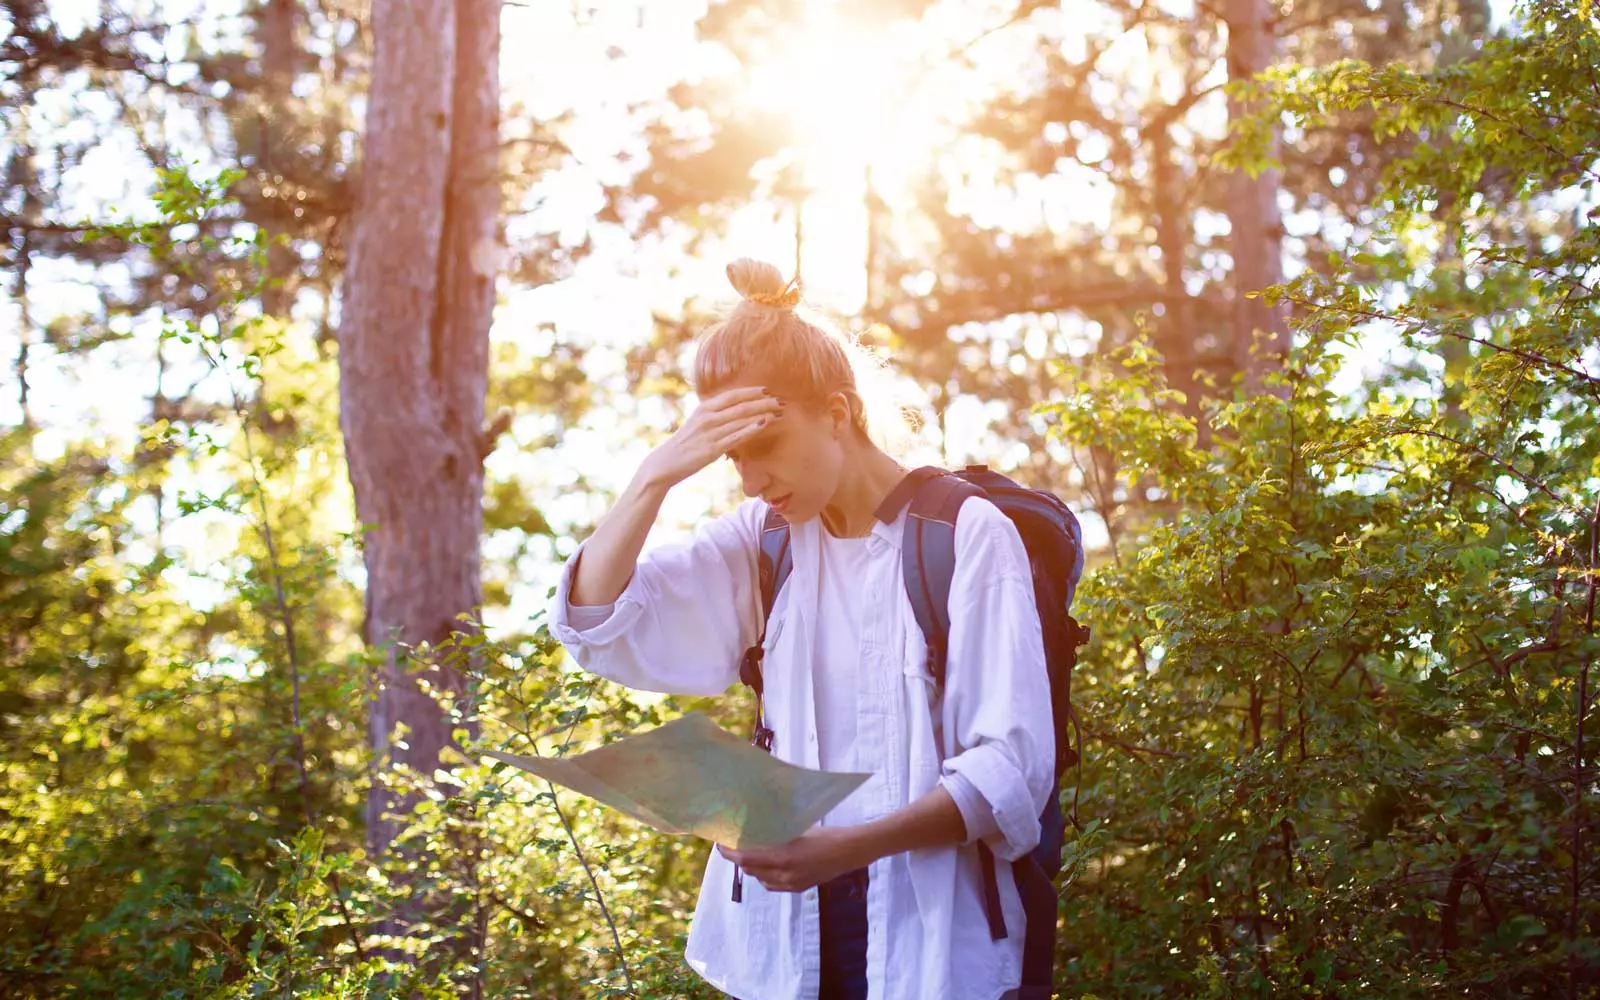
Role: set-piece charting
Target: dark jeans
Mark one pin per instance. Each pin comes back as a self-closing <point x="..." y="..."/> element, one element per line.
<point x="843" y="902"/>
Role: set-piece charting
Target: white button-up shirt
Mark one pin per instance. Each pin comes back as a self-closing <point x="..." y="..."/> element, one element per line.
<point x="688" y="614"/>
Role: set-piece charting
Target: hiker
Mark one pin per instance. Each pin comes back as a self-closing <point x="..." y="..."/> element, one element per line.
<point x="904" y="890"/>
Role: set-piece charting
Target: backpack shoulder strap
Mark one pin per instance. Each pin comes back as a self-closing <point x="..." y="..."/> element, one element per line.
<point x="928" y="551"/>
<point x="774" y="562"/>
<point x="928" y="561"/>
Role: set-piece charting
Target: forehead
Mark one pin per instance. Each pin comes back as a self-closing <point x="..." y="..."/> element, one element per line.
<point x="790" y="438"/>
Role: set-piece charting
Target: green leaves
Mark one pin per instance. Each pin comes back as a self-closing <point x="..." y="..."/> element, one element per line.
<point x="1359" y="616"/>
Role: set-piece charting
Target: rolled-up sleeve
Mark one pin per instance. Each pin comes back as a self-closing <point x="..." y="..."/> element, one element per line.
<point x="583" y="617"/>
<point x="976" y="814"/>
<point x="996" y="712"/>
<point x="684" y="619"/>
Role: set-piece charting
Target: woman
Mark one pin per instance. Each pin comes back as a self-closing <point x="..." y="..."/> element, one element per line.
<point x="883" y="898"/>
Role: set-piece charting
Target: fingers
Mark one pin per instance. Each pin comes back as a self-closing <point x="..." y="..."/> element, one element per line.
<point x="779" y="880"/>
<point x="744" y="859"/>
<point x="766" y="867"/>
<point x="761" y="406"/>
<point x="733" y="397"/>
<point x="775" y="879"/>
<point x="732" y="438"/>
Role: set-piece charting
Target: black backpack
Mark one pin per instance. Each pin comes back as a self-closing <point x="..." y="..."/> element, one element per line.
<point x="1054" y="541"/>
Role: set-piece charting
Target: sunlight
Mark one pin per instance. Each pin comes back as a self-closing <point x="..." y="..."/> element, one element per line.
<point x="837" y="88"/>
<point x="875" y="108"/>
<point x="857" y="102"/>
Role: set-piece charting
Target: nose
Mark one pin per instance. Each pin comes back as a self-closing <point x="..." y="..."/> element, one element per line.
<point x="752" y="479"/>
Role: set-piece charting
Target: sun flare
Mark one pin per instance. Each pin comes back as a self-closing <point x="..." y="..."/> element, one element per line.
<point x="872" y="109"/>
<point x="838" y="91"/>
<point x="856" y="101"/>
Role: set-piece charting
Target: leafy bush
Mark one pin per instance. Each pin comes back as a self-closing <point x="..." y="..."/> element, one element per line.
<point x="1344" y="691"/>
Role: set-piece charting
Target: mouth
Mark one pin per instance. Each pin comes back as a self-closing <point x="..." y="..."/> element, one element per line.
<point x="780" y="504"/>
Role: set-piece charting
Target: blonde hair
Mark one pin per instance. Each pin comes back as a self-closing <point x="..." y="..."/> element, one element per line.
<point x="764" y="340"/>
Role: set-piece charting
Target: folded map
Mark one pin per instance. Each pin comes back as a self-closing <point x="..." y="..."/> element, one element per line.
<point x="691" y="776"/>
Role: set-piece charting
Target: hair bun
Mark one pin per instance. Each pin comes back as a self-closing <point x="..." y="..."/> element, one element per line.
<point x="762" y="283"/>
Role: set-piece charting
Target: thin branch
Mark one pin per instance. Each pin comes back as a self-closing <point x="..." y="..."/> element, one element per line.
<point x="1532" y="484"/>
<point x="540" y="143"/>
<point x="1024" y="11"/>
<point x="583" y="860"/>
<point x="1513" y="126"/>
<point x="1578" y="780"/>
<point x="1177" y="109"/>
<point x="526" y="916"/>
<point x="291" y="648"/>
<point x="1134" y="748"/>
<point x="1348" y="663"/>
<point x="286" y="617"/>
<point x="1420" y="326"/>
<point x="599" y="897"/>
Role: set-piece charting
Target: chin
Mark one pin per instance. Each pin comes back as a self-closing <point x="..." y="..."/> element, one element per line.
<point x="799" y="513"/>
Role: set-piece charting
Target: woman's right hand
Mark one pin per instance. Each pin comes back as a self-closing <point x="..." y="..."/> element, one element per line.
<point x="715" y="427"/>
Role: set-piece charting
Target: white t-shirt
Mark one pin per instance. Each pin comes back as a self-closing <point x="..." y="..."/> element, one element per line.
<point x="836" y="670"/>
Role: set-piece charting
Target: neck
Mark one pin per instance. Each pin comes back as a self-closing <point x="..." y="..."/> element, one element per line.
<point x="869" y="476"/>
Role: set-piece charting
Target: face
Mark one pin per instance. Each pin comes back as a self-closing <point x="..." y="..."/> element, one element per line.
<point x="795" y="463"/>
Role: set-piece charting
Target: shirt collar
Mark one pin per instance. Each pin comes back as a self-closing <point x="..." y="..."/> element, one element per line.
<point x="887" y="533"/>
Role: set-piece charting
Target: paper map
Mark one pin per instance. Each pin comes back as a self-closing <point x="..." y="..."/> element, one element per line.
<point x="691" y="776"/>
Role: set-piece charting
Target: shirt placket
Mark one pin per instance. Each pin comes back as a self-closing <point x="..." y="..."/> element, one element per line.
<point x="879" y="720"/>
<point x="798" y="690"/>
<point x="873" y="707"/>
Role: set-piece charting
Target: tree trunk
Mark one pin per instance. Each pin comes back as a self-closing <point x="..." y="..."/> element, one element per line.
<point x="1176" y="331"/>
<point x="413" y="359"/>
<point x="274" y="137"/>
<point x="22" y="175"/>
<point x="1261" y="331"/>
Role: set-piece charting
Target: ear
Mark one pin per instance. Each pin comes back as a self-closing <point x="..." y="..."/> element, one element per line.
<point x="837" y="409"/>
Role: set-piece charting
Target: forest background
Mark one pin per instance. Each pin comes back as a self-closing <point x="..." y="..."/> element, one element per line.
<point x="330" y="326"/>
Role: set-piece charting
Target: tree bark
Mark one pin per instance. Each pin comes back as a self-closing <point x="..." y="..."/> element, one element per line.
<point x="279" y="52"/>
<point x="1261" y="331"/>
<point x="1177" y="330"/>
<point x="22" y="175"/>
<point x="413" y="360"/>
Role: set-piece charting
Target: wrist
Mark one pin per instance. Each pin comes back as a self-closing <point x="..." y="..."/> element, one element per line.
<point x="651" y="480"/>
<point x="861" y="845"/>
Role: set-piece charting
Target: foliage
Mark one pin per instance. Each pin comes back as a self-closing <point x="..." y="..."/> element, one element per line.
<point x="1339" y="699"/>
<point x="182" y="753"/>
<point x="1345" y="693"/>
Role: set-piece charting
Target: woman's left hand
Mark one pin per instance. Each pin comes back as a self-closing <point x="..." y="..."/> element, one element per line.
<point x="814" y="857"/>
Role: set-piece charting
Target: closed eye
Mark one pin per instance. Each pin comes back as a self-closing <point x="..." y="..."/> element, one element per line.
<point x="756" y="447"/>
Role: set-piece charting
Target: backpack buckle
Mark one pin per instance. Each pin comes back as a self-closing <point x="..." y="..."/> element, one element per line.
<point x="750" y="668"/>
